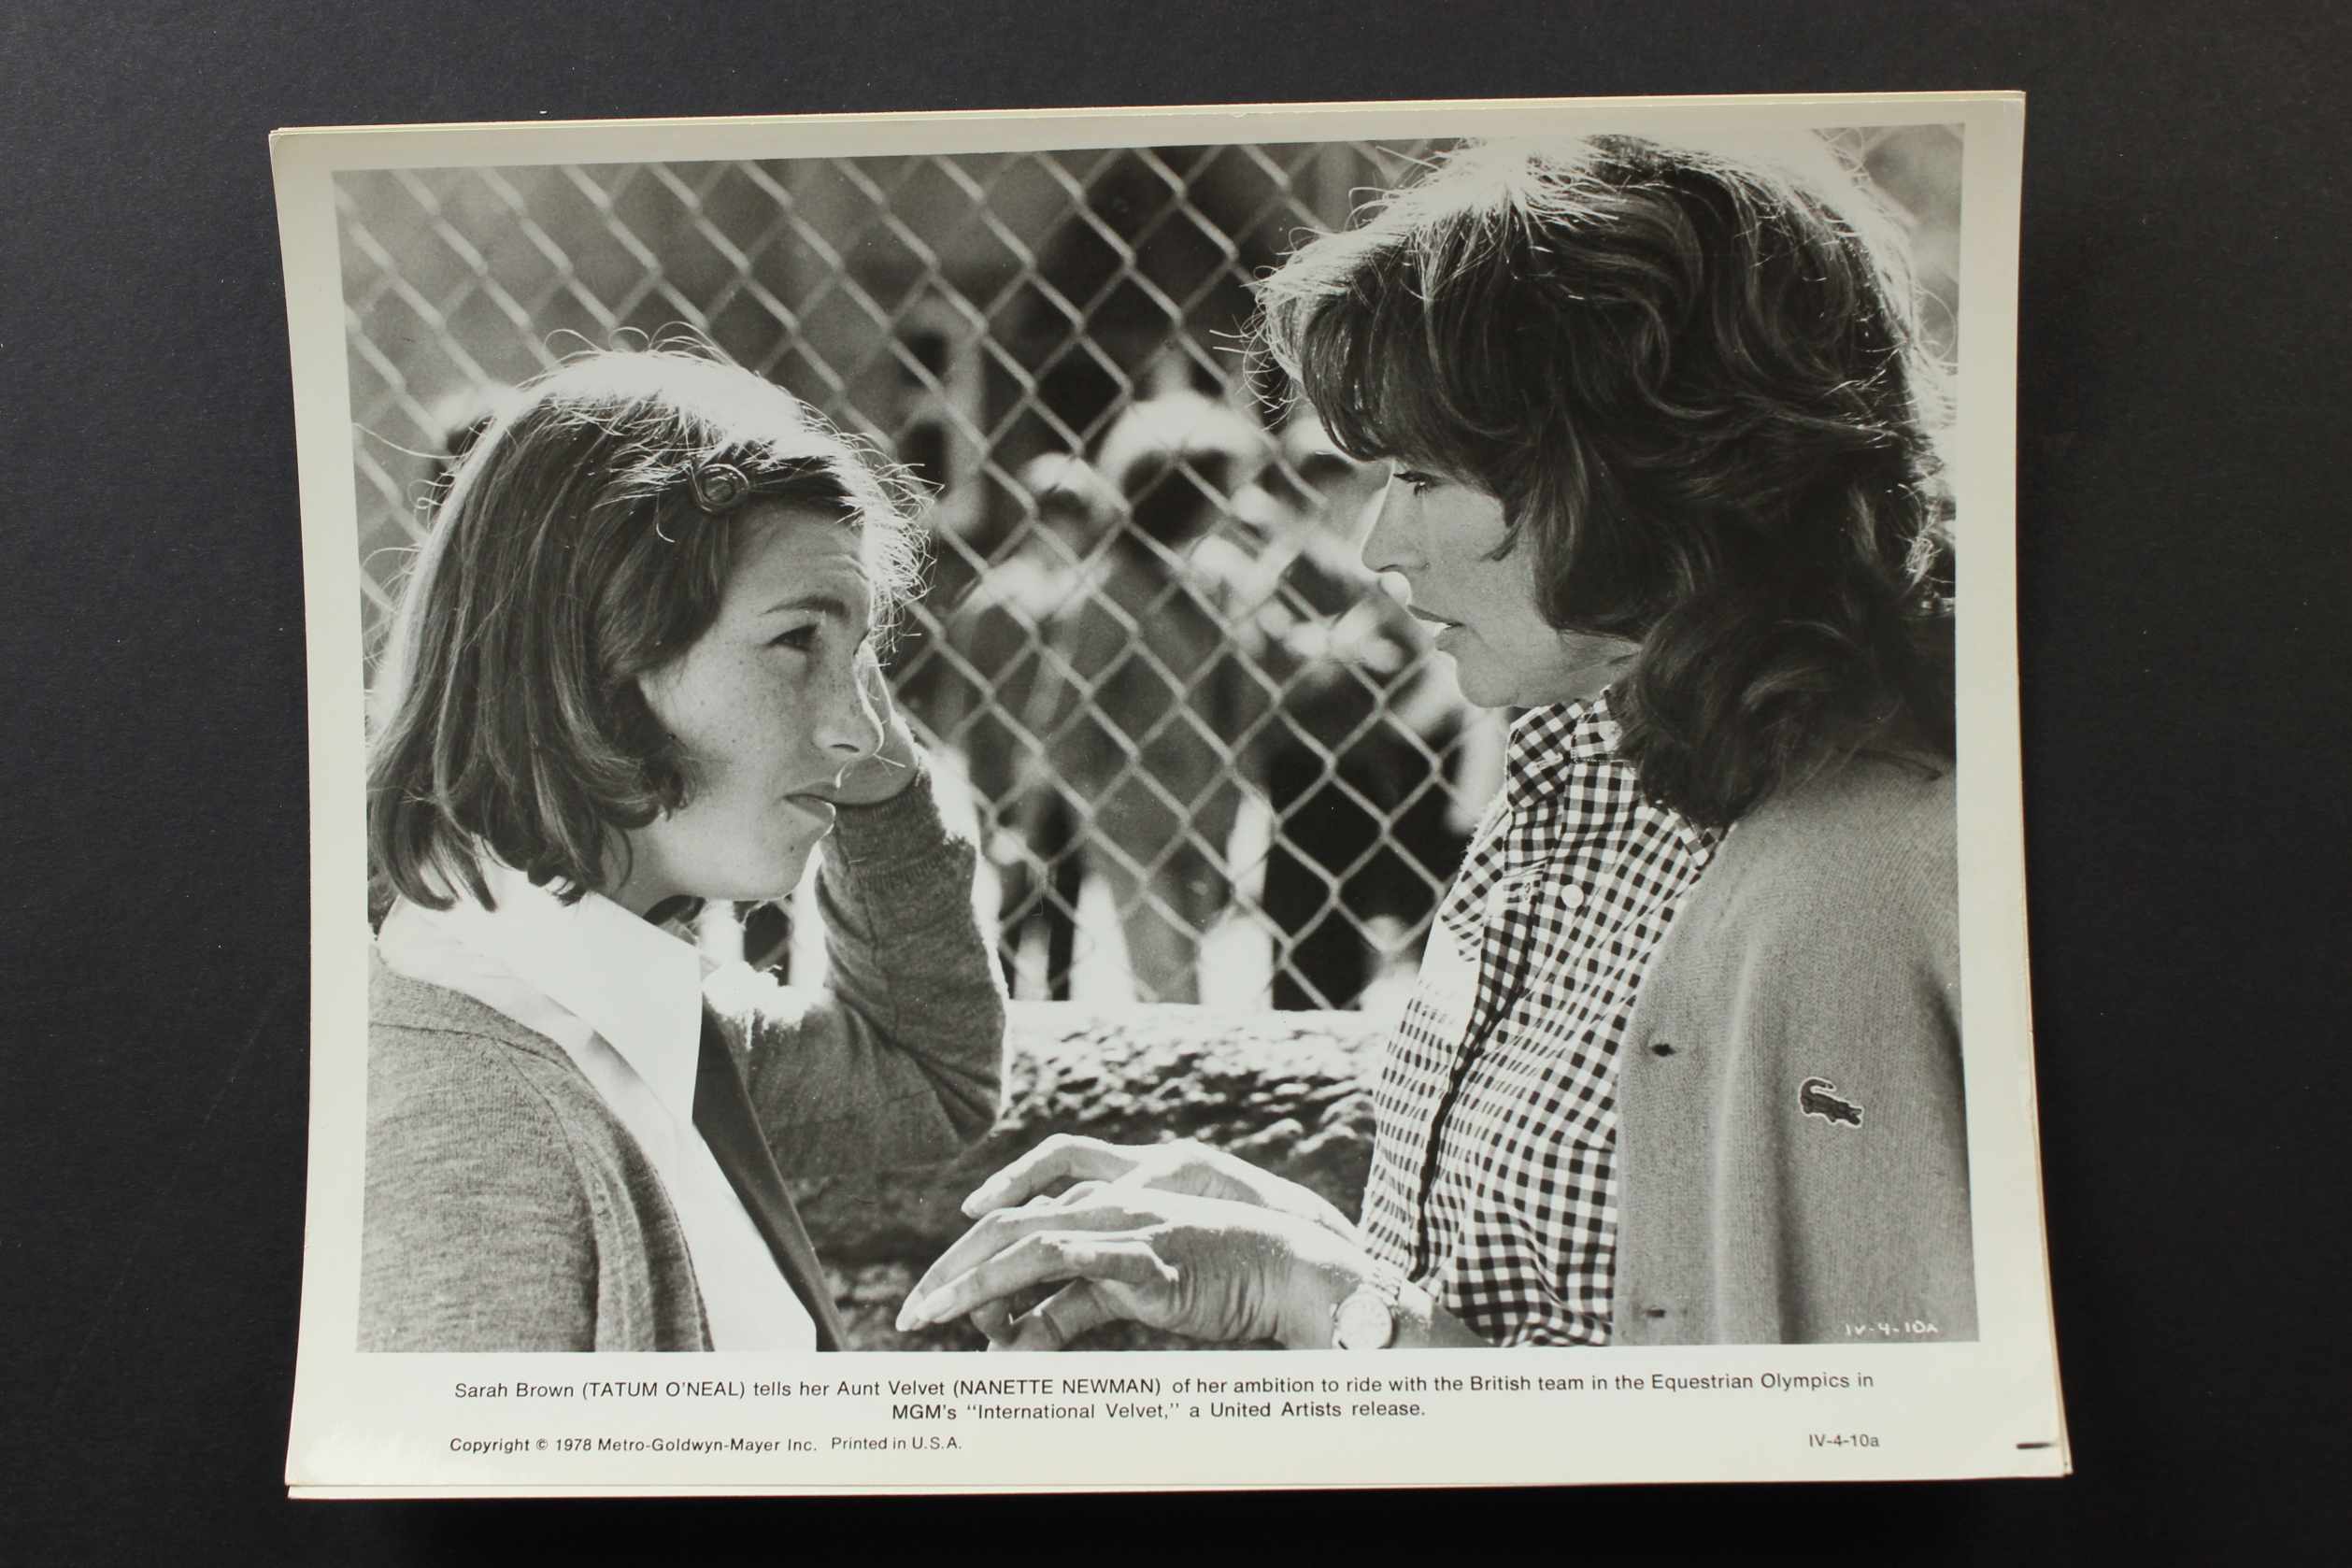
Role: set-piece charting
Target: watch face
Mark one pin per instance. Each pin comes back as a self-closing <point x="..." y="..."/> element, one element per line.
<point x="1363" y="1321"/>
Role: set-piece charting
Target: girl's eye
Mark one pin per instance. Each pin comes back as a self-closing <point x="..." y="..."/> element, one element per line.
<point x="1413" y="480"/>
<point x="800" y="639"/>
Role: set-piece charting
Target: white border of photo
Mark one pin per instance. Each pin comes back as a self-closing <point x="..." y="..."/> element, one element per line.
<point x="369" y="1425"/>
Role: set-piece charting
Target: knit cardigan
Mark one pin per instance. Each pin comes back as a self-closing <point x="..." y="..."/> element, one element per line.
<point x="508" y="1209"/>
<point x="1792" y="1148"/>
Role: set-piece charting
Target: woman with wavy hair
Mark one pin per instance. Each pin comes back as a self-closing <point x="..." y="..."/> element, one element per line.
<point x="1683" y="1061"/>
<point x="635" y="671"/>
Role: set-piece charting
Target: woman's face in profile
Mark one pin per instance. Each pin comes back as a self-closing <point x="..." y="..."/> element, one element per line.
<point x="1440" y="534"/>
<point x="769" y="707"/>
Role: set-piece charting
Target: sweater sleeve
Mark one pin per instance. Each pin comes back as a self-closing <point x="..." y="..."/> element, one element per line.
<point x="477" y="1234"/>
<point x="901" y="1060"/>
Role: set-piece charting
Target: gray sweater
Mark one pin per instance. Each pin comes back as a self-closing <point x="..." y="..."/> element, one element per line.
<point x="507" y="1208"/>
<point x="1793" y="1145"/>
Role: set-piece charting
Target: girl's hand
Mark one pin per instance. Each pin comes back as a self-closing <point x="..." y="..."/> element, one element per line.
<point x="1183" y="1167"/>
<point x="1206" y="1267"/>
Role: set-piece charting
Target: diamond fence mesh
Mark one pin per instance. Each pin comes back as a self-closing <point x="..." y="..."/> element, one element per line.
<point x="1211" y="756"/>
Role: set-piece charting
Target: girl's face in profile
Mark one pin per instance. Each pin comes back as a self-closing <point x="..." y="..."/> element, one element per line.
<point x="1440" y="534"/>
<point x="769" y="707"/>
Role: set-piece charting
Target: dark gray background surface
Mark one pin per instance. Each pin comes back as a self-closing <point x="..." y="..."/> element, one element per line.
<point x="2184" y="558"/>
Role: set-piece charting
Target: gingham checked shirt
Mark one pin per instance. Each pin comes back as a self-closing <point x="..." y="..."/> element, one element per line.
<point x="1492" y="1182"/>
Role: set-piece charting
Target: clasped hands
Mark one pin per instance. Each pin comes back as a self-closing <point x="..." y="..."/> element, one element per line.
<point x="1177" y="1236"/>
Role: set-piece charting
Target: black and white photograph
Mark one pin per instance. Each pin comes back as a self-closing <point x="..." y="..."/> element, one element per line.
<point x="1358" y="740"/>
<point x="1190" y="775"/>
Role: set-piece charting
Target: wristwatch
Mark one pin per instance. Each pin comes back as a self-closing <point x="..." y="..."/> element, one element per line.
<point x="1370" y="1316"/>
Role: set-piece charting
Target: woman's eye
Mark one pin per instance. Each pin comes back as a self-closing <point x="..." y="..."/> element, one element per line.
<point x="800" y="639"/>
<point x="1413" y="479"/>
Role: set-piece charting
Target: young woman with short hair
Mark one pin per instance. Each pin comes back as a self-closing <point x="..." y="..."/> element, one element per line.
<point x="633" y="670"/>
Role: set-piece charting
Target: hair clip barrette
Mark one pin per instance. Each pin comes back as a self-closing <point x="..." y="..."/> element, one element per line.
<point x="719" y="487"/>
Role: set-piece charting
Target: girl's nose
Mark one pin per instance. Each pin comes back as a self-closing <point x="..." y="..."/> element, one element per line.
<point x="849" y="727"/>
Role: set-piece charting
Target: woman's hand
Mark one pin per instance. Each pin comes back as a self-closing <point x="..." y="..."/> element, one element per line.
<point x="1183" y="1167"/>
<point x="1206" y="1267"/>
<point x="893" y="766"/>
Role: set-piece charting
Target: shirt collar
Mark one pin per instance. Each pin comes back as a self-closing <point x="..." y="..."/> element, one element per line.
<point x="635" y="985"/>
<point x="1546" y="740"/>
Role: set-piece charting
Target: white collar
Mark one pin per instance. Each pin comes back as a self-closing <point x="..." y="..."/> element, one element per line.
<point x="633" y="983"/>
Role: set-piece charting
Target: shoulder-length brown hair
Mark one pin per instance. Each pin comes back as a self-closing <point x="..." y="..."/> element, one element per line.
<point x="583" y="540"/>
<point x="1694" y="382"/>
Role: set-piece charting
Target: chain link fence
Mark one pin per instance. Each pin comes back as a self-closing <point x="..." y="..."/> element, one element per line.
<point x="1211" y="758"/>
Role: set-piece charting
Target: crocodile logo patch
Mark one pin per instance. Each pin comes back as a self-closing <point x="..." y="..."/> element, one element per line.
<point x="1818" y="1097"/>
